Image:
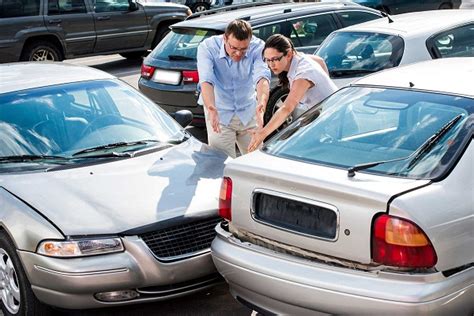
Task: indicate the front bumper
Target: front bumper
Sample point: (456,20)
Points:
(71,283)
(283,284)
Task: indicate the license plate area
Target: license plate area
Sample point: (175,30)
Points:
(296,214)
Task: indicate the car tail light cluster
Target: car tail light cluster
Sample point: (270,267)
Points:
(401,243)
(225,199)
(187,76)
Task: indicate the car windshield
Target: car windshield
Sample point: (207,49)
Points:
(357,126)
(62,120)
(181,44)
(350,54)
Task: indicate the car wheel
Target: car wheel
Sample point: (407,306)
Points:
(133,55)
(445,5)
(277,97)
(160,34)
(41,51)
(200,7)
(15,289)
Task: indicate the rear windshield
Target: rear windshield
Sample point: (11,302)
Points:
(181,44)
(358,126)
(352,53)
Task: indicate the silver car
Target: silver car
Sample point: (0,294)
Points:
(104,199)
(364,205)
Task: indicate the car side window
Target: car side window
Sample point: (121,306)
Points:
(311,31)
(56,7)
(457,42)
(111,5)
(349,18)
(19,8)
(264,32)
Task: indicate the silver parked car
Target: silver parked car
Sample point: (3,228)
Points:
(104,199)
(363,205)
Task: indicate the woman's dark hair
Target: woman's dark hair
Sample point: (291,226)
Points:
(284,45)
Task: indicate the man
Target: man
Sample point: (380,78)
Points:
(235,84)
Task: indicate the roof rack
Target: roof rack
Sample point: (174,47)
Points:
(229,8)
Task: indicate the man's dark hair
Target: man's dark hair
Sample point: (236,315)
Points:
(240,29)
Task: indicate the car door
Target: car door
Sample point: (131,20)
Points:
(310,31)
(74,23)
(118,28)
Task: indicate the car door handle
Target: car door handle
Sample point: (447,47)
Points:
(55,21)
(103,18)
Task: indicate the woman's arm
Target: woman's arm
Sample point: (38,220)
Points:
(297,92)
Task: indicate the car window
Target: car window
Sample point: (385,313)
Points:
(56,7)
(111,5)
(359,125)
(347,53)
(264,32)
(349,18)
(311,31)
(181,44)
(458,42)
(19,8)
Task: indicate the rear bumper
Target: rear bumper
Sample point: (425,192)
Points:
(71,283)
(284,284)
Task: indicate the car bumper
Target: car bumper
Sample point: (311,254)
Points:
(71,283)
(278,283)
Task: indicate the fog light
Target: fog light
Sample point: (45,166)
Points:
(117,296)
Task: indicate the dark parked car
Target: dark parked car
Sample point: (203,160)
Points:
(54,30)
(169,76)
(403,6)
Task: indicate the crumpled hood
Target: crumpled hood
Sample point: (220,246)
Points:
(117,196)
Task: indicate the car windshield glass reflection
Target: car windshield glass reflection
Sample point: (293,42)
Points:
(358,126)
(350,54)
(66,119)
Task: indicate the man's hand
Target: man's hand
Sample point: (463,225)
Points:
(214,118)
(260,114)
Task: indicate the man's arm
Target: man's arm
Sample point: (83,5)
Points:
(263,91)
(207,92)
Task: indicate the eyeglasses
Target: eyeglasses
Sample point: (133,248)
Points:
(274,59)
(242,50)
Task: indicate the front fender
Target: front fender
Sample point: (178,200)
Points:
(26,226)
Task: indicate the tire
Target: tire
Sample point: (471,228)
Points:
(384,9)
(160,34)
(13,280)
(133,55)
(41,51)
(200,7)
(277,97)
(445,5)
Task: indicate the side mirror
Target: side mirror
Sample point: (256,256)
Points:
(183,117)
(132,6)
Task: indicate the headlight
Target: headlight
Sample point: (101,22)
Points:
(80,247)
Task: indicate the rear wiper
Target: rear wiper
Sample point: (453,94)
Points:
(417,154)
(350,72)
(23,158)
(112,146)
(180,57)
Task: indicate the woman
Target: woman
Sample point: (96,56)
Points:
(306,76)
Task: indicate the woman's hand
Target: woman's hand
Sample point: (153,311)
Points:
(258,136)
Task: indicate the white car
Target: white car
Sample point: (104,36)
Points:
(403,39)
(363,208)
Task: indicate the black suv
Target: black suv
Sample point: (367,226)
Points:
(59,29)
(169,74)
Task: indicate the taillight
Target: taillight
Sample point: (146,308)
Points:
(225,199)
(401,243)
(190,76)
(147,71)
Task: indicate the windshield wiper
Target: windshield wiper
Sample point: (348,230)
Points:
(179,57)
(113,146)
(417,154)
(349,72)
(24,158)
(180,140)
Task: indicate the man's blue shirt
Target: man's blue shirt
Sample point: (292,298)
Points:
(234,82)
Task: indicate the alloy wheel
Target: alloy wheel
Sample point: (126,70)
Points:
(200,8)
(9,285)
(43,55)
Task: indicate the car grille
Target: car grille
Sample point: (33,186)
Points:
(181,241)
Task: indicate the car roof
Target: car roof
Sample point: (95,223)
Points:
(21,76)
(266,13)
(415,24)
(446,75)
